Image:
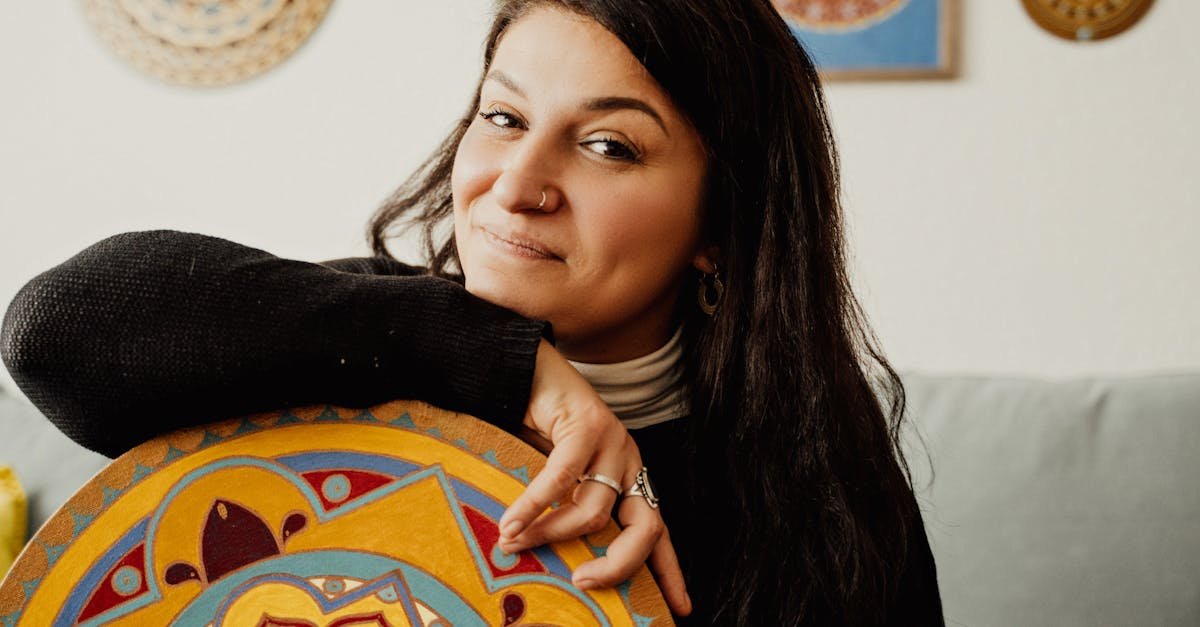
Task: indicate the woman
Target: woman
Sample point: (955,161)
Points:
(654,180)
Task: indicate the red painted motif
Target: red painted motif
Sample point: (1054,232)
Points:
(361,482)
(233,537)
(487,533)
(107,596)
(514,608)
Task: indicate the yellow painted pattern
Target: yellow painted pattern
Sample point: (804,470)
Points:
(414,524)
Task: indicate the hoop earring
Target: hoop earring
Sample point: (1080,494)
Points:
(709,306)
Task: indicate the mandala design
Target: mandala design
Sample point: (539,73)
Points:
(205,42)
(312,517)
(1086,19)
(837,15)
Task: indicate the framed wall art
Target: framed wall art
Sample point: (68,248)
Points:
(876,39)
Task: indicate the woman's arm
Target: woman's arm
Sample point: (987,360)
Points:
(148,332)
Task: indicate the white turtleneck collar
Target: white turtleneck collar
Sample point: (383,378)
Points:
(643,391)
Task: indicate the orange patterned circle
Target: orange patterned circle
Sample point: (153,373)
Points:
(1086,20)
(837,14)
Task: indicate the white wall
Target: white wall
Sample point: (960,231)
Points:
(1041,214)
(1036,215)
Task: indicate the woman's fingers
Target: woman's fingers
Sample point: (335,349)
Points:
(644,535)
(665,565)
(623,557)
(563,467)
(590,512)
(581,430)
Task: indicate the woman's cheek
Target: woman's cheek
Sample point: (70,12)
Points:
(469,172)
(657,227)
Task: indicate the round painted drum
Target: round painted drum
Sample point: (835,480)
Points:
(318,516)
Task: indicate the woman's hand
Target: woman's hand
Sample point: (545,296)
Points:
(583,436)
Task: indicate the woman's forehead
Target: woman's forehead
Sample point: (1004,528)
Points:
(551,49)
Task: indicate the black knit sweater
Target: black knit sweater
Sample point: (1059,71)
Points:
(149,332)
(143,322)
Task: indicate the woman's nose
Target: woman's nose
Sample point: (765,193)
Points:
(525,182)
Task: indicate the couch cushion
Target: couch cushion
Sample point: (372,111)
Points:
(1053,502)
(1062,503)
(51,467)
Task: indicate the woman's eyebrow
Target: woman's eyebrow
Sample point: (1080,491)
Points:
(606,103)
(612,103)
(506,80)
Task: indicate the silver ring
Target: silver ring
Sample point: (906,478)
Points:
(599,478)
(542,205)
(643,488)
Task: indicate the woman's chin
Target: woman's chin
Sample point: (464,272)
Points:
(502,291)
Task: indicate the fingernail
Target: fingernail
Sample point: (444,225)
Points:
(513,528)
(585,584)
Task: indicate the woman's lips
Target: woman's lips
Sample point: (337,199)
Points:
(520,245)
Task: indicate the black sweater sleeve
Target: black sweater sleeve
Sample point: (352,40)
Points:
(148,332)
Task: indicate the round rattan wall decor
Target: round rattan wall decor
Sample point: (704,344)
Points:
(1086,20)
(205,43)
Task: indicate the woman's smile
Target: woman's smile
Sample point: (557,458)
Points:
(518,244)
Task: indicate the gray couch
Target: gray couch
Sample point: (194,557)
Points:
(1052,503)
(1063,503)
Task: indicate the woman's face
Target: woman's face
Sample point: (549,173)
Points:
(566,110)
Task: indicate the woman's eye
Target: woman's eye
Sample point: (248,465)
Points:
(613,149)
(500,118)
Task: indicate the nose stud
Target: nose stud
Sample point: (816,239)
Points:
(542,205)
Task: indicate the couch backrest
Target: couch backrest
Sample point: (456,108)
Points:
(1053,503)
(50,466)
(1062,503)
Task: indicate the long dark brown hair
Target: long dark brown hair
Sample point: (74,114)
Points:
(796,413)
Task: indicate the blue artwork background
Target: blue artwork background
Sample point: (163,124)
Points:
(907,39)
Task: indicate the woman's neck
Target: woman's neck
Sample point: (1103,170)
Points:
(645,390)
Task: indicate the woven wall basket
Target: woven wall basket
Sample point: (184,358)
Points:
(205,42)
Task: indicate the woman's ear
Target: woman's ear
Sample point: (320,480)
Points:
(706,259)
